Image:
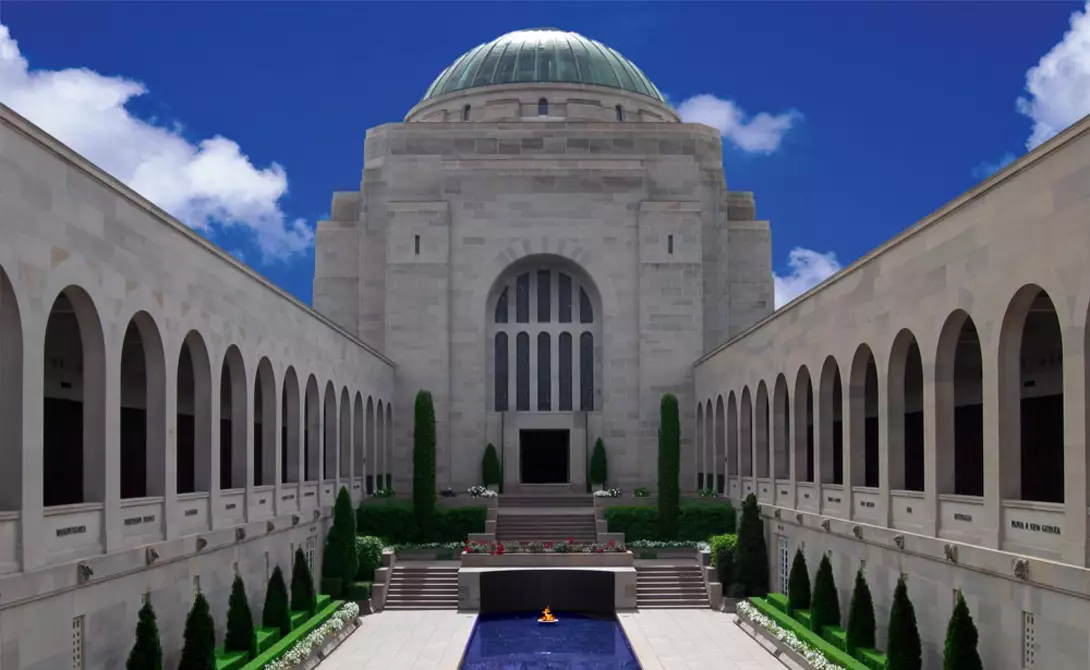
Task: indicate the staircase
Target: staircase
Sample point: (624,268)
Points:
(423,587)
(543,517)
(670,587)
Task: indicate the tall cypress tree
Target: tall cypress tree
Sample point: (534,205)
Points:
(302,585)
(798,584)
(340,562)
(599,467)
(199,646)
(860,633)
(424,465)
(825,605)
(240,621)
(751,570)
(491,472)
(277,612)
(147,652)
(960,652)
(669,463)
(903,648)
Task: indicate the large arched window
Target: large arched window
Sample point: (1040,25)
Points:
(554,308)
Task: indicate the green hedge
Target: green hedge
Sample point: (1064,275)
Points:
(806,635)
(394,522)
(697,521)
(722,550)
(287,642)
(298,619)
(266,637)
(230,660)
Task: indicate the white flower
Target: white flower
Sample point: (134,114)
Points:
(302,649)
(813,656)
(481,492)
(608,493)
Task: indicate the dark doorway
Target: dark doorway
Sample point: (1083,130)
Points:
(544,456)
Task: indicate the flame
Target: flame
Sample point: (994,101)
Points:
(547,616)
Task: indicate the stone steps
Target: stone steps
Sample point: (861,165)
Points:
(427,588)
(545,500)
(546,527)
(670,587)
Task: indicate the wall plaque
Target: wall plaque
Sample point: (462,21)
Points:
(308,494)
(231,505)
(968,518)
(1036,527)
(866,503)
(71,530)
(191,512)
(833,499)
(288,496)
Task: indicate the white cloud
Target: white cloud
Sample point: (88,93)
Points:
(206,185)
(988,168)
(808,268)
(759,134)
(1058,87)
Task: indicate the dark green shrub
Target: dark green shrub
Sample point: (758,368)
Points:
(860,632)
(277,612)
(240,622)
(722,548)
(491,472)
(798,585)
(389,482)
(599,467)
(697,521)
(147,652)
(904,650)
(302,585)
(369,550)
(960,652)
(669,463)
(453,524)
(199,645)
(394,523)
(825,603)
(340,562)
(358,592)
(424,465)
(752,554)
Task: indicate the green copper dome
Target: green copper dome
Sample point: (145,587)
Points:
(542,55)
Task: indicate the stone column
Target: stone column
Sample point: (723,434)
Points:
(793,461)
(851,442)
(247,432)
(215,407)
(823,436)
(107,487)
(31,520)
(886,466)
(992,418)
(169,445)
(278,462)
(932,471)
(1075,470)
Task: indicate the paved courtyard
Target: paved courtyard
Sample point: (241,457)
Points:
(662,640)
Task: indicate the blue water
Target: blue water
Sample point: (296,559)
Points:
(577,642)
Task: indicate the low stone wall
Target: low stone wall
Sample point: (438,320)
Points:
(549,560)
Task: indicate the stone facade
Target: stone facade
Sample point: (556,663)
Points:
(987,301)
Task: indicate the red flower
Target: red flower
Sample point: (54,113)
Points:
(549,545)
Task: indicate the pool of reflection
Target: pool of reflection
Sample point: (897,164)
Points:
(576,642)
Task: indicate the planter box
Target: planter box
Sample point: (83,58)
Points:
(548,560)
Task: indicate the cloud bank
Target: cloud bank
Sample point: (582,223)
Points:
(1058,86)
(208,185)
(807,269)
(759,134)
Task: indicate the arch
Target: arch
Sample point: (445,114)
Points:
(11,397)
(904,423)
(745,431)
(233,420)
(389,445)
(380,445)
(781,424)
(699,444)
(265,465)
(358,453)
(720,446)
(831,420)
(863,418)
(542,107)
(732,435)
(290,452)
(329,432)
(803,447)
(1031,399)
(344,458)
(760,432)
(74,405)
(959,408)
(312,452)
(142,409)
(371,459)
(193,426)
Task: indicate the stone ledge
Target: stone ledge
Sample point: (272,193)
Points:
(549,560)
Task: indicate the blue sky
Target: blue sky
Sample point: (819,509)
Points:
(850,121)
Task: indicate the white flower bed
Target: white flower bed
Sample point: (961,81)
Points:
(814,657)
(607,493)
(481,492)
(302,649)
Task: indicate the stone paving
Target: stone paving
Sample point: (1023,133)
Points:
(662,640)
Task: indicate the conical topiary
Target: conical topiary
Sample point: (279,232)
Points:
(340,562)
(860,632)
(240,621)
(199,646)
(277,612)
(147,652)
(798,585)
(903,648)
(669,493)
(599,467)
(751,564)
(825,603)
(302,585)
(491,473)
(424,465)
(960,652)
